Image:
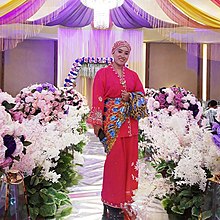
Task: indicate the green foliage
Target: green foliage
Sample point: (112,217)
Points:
(78,147)
(47,199)
(186,201)
(82,125)
(145,152)
(8,106)
(65,168)
(44,199)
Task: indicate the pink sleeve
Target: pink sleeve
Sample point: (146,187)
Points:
(138,84)
(96,113)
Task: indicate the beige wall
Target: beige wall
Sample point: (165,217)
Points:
(32,61)
(168,66)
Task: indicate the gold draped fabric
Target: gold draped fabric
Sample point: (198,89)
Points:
(196,14)
(11,5)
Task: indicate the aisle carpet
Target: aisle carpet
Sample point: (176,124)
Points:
(86,197)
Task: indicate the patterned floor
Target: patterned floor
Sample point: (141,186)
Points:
(86,197)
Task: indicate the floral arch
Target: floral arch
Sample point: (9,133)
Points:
(87,67)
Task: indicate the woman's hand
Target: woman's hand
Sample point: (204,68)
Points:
(96,129)
(125,95)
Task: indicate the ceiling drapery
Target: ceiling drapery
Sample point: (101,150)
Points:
(74,14)
(217,2)
(22,12)
(11,5)
(177,16)
(130,15)
(196,14)
(127,16)
(14,27)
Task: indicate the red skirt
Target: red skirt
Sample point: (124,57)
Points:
(120,172)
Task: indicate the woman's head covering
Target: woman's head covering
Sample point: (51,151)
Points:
(120,43)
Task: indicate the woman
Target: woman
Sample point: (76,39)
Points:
(118,103)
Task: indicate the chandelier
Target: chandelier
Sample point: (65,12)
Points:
(102,11)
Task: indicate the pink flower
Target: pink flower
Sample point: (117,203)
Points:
(156,104)
(186,105)
(6,162)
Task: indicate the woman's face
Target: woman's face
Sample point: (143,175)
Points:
(121,56)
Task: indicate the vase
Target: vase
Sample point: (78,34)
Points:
(13,198)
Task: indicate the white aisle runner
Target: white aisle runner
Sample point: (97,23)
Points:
(86,197)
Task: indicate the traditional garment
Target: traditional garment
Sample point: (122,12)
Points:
(120,173)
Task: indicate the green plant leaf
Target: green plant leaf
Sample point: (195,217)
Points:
(66,202)
(57,186)
(33,212)
(158,175)
(206,215)
(46,183)
(35,199)
(44,194)
(8,105)
(166,203)
(189,204)
(48,210)
(161,167)
(66,211)
(195,211)
(61,195)
(52,191)
(169,171)
(176,210)
(26,143)
(50,200)
(32,190)
(57,201)
(186,192)
(34,180)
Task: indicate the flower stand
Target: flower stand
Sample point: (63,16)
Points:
(13,198)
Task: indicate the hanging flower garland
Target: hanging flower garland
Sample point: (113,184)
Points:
(77,65)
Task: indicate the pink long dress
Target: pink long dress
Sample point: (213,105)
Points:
(120,172)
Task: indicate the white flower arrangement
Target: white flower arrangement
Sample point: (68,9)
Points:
(49,138)
(54,120)
(181,153)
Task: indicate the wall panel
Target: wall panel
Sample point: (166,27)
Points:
(170,65)
(32,61)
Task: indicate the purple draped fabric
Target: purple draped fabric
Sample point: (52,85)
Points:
(74,14)
(22,13)
(129,15)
